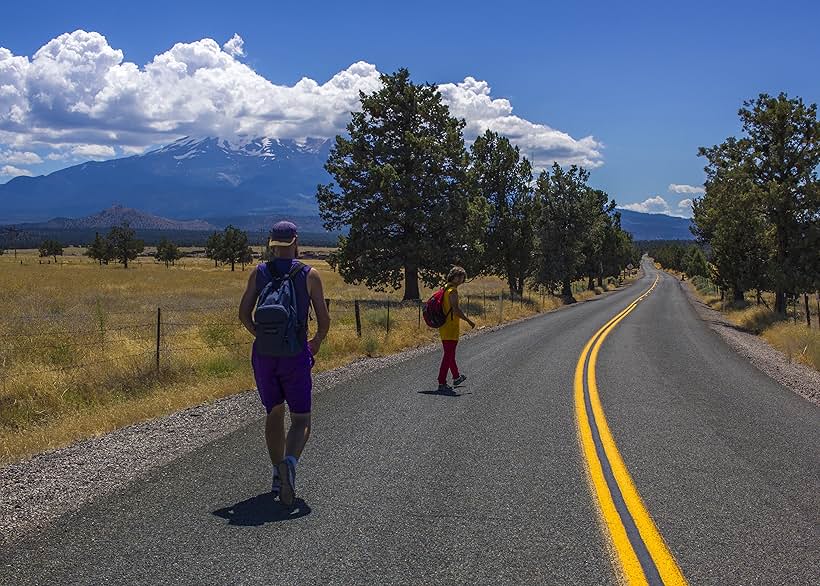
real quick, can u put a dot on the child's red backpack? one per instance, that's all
(433, 310)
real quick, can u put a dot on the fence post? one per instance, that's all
(483, 304)
(358, 318)
(159, 329)
(808, 313)
(501, 307)
(388, 315)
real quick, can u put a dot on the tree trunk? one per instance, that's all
(411, 283)
(591, 284)
(233, 264)
(808, 313)
(780, 301)
(739, 294)
(125, 262)
(759, 297)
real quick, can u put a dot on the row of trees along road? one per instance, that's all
(760, 213)
(415, 201)
(680, 256)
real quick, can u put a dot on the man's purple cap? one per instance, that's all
(282, 234)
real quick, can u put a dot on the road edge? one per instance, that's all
(802, 380)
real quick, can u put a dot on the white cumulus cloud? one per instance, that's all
(685, 204)
(78, 95)
(235, 47)
(20, 157)
(676, 188)
(652, 205)
(94, 151)
(10, 171)
(471, 100)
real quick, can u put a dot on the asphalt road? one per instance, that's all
(402, 485)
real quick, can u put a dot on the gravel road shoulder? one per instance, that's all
(802, 379)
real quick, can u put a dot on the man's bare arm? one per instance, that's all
(317, 298)
(247, 303)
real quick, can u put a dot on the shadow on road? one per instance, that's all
(443, 393)
(262, 509)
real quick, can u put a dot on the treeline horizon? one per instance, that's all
(415, 201)
(759, 218)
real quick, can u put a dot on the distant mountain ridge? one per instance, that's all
(117, 215)
(191, 177)
(644, 226)
(248, 182)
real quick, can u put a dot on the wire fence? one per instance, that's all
(93, 337)
(800, 308)
(155, 339)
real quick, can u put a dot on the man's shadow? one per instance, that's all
(262, 509)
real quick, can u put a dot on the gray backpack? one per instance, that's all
(279, 329)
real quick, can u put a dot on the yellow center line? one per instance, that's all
(629, 565)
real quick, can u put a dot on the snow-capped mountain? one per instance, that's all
(191, 177)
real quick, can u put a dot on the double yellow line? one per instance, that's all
(642, 555)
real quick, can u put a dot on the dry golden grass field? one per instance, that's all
(78, 341)
(792, 336)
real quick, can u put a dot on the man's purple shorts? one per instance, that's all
(284, 379)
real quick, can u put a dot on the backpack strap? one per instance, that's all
(296, 269)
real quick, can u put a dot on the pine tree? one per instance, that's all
(51, 248)
(214, 248)
(234, 246)
(403, 194)
(569, 212)
(124, 244)
(503, 177)
(167, 252)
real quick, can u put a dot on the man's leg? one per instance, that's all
(297, 386)
(298, 434)
(275, 433)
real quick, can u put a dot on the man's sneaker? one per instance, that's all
(445, 388)
(459, 380)
(287, 474)
(276, 485)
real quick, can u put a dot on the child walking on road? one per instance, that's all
(274, 309)
(451, 330)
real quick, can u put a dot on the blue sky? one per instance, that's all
(637, 89)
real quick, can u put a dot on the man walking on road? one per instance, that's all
(451, 330)
(284, 286)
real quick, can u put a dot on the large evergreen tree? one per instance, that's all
(100, 250)
(503, 177)
(234, 247)
(729, 217)
(167, 252)
(570, 212)
(214, 247)
(51, 248)
(403, 194)
(783, 153)
(124, 244)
